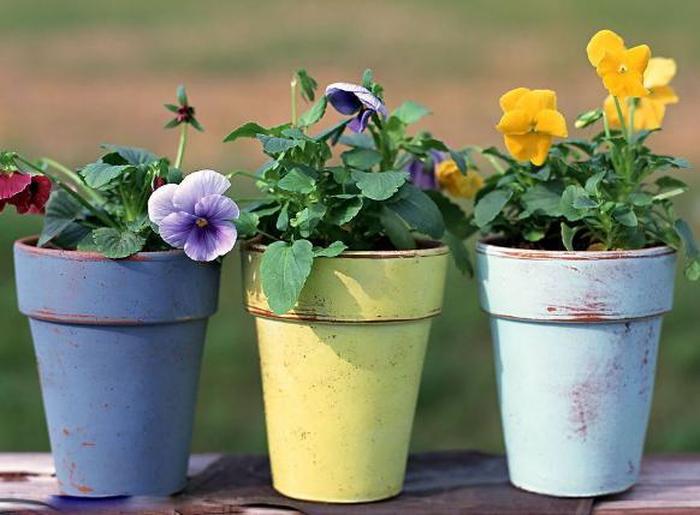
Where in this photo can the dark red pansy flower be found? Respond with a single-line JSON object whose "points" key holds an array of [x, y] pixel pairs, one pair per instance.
{"points": [[34, 197], [158, 182], [12, 183]]}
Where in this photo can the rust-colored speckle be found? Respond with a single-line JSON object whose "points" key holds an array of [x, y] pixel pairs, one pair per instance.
{"points": [[551, 309], [16, 477], [84, 489], [66, 431]]}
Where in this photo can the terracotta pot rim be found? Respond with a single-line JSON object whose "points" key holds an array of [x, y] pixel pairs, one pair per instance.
{"points": [[28, 245], [432, 248], [489, 246]]}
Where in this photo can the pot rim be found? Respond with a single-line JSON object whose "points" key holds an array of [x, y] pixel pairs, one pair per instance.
{"points": [[434, 248], [489, 246], [28, 245]]}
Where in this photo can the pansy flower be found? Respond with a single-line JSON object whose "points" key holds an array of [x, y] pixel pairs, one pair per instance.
{"points": [[530, 120], [621, 69], [422, 171], [351, 99], [28, 193], [456, 183], [195, 215], [650, 110]]}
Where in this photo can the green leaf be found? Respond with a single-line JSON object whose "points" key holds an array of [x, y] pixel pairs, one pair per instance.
{"points": [[61, 211], [344, 211], [181, 95], [132, 155], [459, 252], [362, 158], [297, 181], [572, 197], [247, 224], [275, 145], [116, 244], [410, 112], [419, 211], [308, 218], [87, 244], [490, 206], [686, 234], [71, 236], [669, 187], [314, 114], [543, 198], [380, 185], [284, 270], [308, 85], [588, 118], [625, 215], [396, 230], [593, 183], [533, 234], [568, 234], [367, 78], [99, 175], [641, 199], [247, 130], [332, 250], [332, 133], [455, 219], [282, 223]]}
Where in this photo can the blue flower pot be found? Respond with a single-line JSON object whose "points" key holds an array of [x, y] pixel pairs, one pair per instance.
{"points": [[575, 337], [119, 346]]}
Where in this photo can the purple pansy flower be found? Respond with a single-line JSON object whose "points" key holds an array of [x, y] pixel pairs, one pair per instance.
{"points": [[195, 215], [349, 99], [422, 172]]}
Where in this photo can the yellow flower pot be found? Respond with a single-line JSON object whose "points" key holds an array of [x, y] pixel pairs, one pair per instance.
{"points": [[341, 371]]}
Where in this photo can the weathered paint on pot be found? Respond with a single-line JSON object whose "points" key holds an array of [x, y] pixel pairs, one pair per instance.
{"points": [[119, 345], [341, 371], [575, 338]]}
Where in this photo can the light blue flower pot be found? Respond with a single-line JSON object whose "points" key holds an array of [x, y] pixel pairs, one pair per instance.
{"points": [[119, 345], [575, 337]]}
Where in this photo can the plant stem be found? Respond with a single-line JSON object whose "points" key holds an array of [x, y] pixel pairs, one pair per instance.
{"points": [[246, 174], [632, 108], [181, 146], [293, 93], [69, 178], [623, 124]]}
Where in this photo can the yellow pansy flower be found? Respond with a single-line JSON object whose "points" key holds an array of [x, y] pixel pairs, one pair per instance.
{"points": [[530, 120], [450, 178], [621, 69], [650, 110]]}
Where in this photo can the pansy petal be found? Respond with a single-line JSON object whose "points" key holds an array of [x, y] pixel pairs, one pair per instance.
{"points": [[542, 144], [520, 146], [534, 101], [198, 185], [649, 114], [516, 121], [659, 72], [664, 94], [210, 242], [344, 102], [175, 228], [13, 183], [551, 122], [637, 58], [509, 100], [216, 208], [603, 41], [160, 204], [359, 123]]}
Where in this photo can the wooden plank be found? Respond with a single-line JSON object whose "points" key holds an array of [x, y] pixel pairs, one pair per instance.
{"points": [[668, 484]]}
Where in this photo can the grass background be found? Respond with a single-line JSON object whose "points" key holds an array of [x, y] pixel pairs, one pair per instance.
{"points": [[77, 73]]}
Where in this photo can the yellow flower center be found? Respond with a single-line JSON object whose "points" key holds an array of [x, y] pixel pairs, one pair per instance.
{"points": [[202, 222], [622, 68]]}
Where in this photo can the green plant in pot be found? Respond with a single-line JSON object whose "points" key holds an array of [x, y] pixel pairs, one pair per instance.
{"points": [[576, 271], [344, 270]]}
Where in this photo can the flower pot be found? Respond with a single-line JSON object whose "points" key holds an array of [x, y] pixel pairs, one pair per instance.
{"points": [[341, 371], [575, 338], [119, 345]]}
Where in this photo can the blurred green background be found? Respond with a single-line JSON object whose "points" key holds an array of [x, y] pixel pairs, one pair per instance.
{"points": [[77, 73]]}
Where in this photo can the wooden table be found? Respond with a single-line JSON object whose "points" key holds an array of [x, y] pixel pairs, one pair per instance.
{"points": [[461, 482]]}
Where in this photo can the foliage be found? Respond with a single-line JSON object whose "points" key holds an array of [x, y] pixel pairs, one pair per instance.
{"points": [[364, 200], [103, 206]]}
